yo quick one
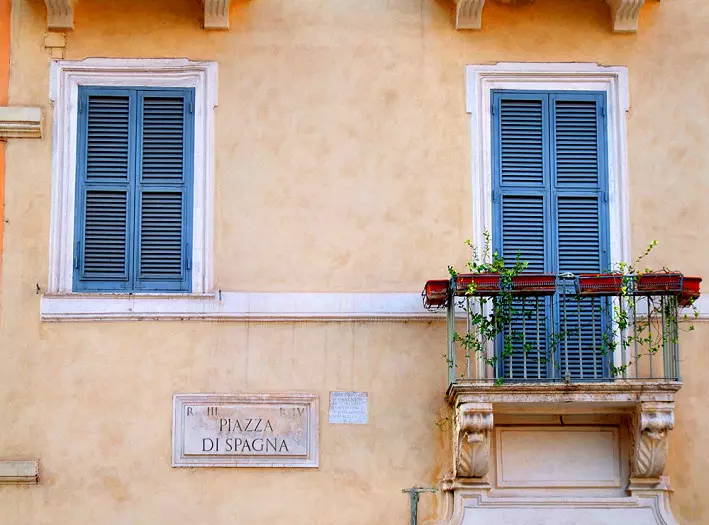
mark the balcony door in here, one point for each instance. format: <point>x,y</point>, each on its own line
<point>550,206</point>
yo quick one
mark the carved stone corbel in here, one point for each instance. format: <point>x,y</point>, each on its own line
<point>468,14</point>
<point>650,439</point>
<point>216,14</point>
<point>625,14</point>
<point>474,424</point>
<point>60,14</point>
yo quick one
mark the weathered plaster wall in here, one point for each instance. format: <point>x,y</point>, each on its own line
<point>342,164</point>
<point>5,7</point>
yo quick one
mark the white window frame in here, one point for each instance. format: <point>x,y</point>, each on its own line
<point>65,79</point>
<point>481,80</point>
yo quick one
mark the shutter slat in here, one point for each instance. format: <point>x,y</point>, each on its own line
<point>523,230</point>
<point>163,139</point>
<point>107,138</point>
<point>521,141</point>
<point>105,235</point>
<point>576,145</point>
<point>161,232</point>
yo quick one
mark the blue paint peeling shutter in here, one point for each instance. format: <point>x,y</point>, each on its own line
<point>134,181</point>
<point>549,188</point>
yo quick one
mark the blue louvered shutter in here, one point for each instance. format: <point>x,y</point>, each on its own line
<point>520,132</point>
<point>163,208</point>
<point>134,190</point>
<point>549,193</point>
<point>102,254</point>
<point>581,224</point>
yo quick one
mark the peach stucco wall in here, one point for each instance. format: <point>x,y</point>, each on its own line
<point>342,164</point>
<point>5,7</point>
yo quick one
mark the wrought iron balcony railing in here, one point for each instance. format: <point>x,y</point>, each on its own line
<point>563,328</point>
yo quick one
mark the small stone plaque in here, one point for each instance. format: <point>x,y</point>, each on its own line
<point>245,430</point>
<point>348,408</point>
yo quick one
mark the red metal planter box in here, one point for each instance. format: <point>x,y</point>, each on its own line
<point>435,294</point>
<point>690,290</point>
<point>485,283</point>
<point>669,283</point>
<point>600,283</point>
<point>534,284</point>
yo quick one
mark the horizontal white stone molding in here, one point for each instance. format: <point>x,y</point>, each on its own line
<point>252,306</point>
<point>238,306</point>
<point>20,122</point>
<point>476,506</point>
<point>22,472</point>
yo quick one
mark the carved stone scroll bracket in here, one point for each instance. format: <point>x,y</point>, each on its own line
<point>625,15</point>
<point>216,14</point>
<point>650,441</point>
<point>474,425</point>
<point>469,14</point>
<point>60,14</point>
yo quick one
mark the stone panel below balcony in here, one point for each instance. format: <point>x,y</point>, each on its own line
<point>590,453</point>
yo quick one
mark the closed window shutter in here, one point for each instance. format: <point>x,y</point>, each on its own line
<point>549,184</point>
<point>134,190</point>
<point>163,248</point>
<point>103,246</point>
<point>521,130</point>
<point>578,162</point>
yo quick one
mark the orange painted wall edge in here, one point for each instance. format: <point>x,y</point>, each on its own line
<point>5,7</point>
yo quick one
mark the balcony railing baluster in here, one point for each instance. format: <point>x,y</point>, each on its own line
<point>600,321</point>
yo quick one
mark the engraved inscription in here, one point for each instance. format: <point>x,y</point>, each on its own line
<point>246,430</point>
<point>261,430</point>
<point>349,408</point>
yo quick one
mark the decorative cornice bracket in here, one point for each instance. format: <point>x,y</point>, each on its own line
<point>468,14</point>
<point>19,472</point>
<point>474,424</point>
<point>60,14</point>
<point>17,122</point>
<point>652,423</point>
<point>216,14</point>
<point>625,15</point>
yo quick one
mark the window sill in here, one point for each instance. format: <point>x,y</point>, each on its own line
<point>235,306</point>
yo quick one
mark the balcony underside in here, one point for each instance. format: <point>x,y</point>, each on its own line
<point>554,398</point>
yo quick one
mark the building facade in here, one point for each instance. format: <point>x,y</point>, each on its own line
<point>245,199</point>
